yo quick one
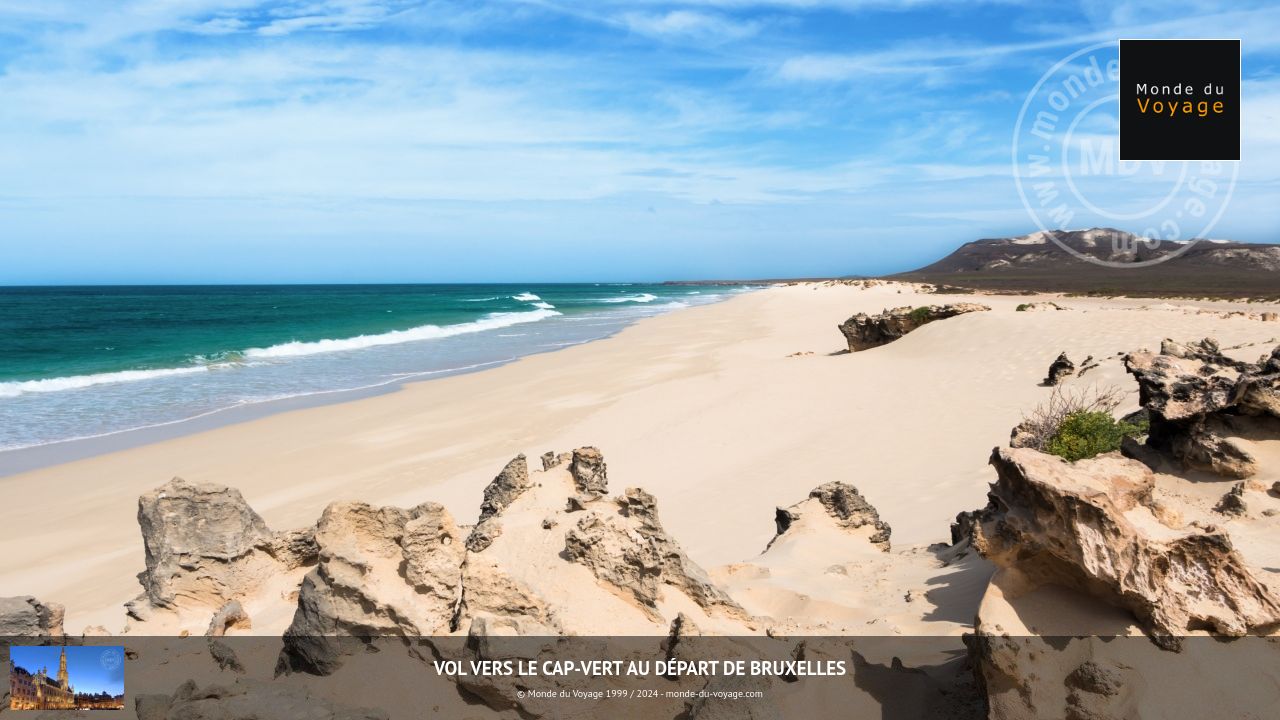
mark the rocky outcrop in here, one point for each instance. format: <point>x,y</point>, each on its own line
<point>863,331</point>
<point>1092,525</point>
<point>205,546</point>
<point>590,476</point>
<point>629,550</point>
<point>381,571</point>
<point>27,617</point>
<point>501,492</point>
<point>843,503</point>
<point>1196,398</point>
<point>1059,370</point>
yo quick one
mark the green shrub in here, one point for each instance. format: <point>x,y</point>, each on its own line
<point>1022,307</point>
<point>920,315</point>
<point>1086,433</point>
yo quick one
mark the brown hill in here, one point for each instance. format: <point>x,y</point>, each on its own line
<point>1216,268</point>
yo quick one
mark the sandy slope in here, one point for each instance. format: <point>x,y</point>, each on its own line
<point>705,408</point>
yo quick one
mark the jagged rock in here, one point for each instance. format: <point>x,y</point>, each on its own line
<point>630,551</point>
<point>863,331</point>
<point>205,546</point>
<point>552,459</point>
<point>1194,396</point>
<point>1059,369</point>
<point>247,698</point>
<point>681,627</point>
<point>224,656</point>
<point>489,592</point>
<point>1074,524</point>
<point>590,476</point>
<point>850,510</point>
<point>26,617</point>
<point>1202,447</point>
<point>382,571</point>
<point>501,491</point>
<point>228,616</point>
<point>549,522</point>
<point>1233,502</point>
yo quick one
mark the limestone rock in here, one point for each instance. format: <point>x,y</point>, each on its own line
<point>1075,525</point>
<point>26,617</point>
<point>863,331</point>
<point>590,476</point>
<point>1233,502</point>
<point>1059,370</point>
<point>552,459</point>
<point>228,616</point>
<point>382,571</point>
<point>205,546</point>
<point>501,492</point>
<point>1195,396</point>
<point>630,551</point>
<point>849,509</point>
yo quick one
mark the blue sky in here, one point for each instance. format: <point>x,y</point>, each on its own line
<point>85,667</point>
<point>526,140</point>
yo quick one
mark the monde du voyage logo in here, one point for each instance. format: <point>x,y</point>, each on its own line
<point>1142,135</point>
<point>1179,99</point>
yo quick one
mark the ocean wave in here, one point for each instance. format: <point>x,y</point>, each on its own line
<point>525,297</point>
<point>76,382</point>
<point>492,321</point>
<point>495,297</point>
<point>641,298</point>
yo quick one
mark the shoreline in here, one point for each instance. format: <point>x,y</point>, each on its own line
<point>723,412</point>
<point>35,457</point>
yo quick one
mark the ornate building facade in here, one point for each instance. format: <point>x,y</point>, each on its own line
<point>38,691</point>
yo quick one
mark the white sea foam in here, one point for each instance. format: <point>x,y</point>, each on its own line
<point>641,298</point>
<point>495,297</point>
<point>492,321</point>
<point>76,382</point>
<point>525,297</point>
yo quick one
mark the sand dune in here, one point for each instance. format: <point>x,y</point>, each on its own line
<point>710,409</point>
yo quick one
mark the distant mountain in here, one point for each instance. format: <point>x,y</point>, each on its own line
<point>1217,268</point>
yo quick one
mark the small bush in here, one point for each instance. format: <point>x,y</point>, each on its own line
<point>1042,423</point>
<point>1022,307</point>
<point>1086,433</point>
<point>920,315</point>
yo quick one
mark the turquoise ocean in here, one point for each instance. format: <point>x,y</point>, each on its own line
<point>82,362</point>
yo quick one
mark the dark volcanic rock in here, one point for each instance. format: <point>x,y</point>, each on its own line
<point>863,331</point>
<point>1194,396</point>
<point>1059,370</point>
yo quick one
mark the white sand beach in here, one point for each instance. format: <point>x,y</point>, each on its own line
<point>722,412</point>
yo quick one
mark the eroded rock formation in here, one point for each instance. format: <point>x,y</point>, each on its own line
<point>628,549</point>
<point>863,331</point>
<point>205,546</point>
<point>501,492</point>
<point>1093,525</point>
<point>843,503</point>
<point>1197,399</point>
<point>1059,370</point>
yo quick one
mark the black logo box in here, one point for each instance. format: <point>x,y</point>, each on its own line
<point>1186,69</point>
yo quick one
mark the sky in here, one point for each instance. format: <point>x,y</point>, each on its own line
<point>224,141</point>
<point>86,668</point>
